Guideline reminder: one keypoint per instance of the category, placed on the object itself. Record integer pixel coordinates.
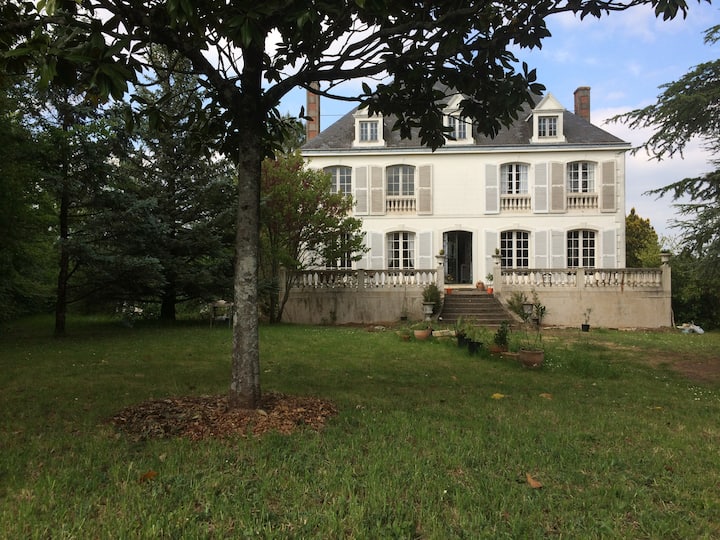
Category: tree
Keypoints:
(26, 215)
(192, 189)
(303, 224)
(409, 49)
(642, 249)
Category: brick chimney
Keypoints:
(582, 102)
(313, 112)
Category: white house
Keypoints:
(541, 206)
(547, 192)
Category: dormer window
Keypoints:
(547, 126)
(368, 129)
(547, 119)
(458, 125)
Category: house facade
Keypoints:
(540, 207)
(547, 192)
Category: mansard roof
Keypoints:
(577, 131)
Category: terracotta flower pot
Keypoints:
(531, 358)
(422, 334)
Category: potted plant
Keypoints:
(531, 353)
(480, 285)
(489, 282)
(501, 339)
(586, 325)
(422, 331)
(476, 337)
(461, 332)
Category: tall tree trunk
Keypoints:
(245, 383)
(63, 264)
(167, 302)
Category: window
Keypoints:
(344, 261)
(581, 249)
(547, 126)
(341, 179)
(581, 177)
(514, 179)
(401, 250)
(515, 249)
(368, 130)
(458, 126)
(401, 181)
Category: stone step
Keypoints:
(479, 307)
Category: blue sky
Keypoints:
(624, 58)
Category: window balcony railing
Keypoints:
(400, 204)
(515, 203)
(582, 201)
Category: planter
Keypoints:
(422, 334)
(490, 290)
(474, 347)
(531, 358)
(448, 290)
(462, 340)
(428, 308)
(585, 327)
(497, 349)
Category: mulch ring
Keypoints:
(205, 417)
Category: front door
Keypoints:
(458, 257)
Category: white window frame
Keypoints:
(401, 250)
(369, 131)
(581, 177)
(514, 179)
(341, 179)
(458, 124)
(581, 248)
(547, 126)
(515, 249)
(400, 181)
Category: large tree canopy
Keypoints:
(248, 55)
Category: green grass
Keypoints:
(625, 447)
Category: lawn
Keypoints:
(429, 442)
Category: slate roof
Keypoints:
(577, 130)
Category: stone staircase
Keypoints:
(473, 306)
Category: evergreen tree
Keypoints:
(642, 249)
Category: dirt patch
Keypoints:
(211, 417)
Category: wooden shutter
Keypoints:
(491, 243)
(492, 190)
(540, 189)
(377, 191)
(540, 240)
(361, 191)
(609, 249)
(557, 249)
(424, 190)
(557, 187)
(607, 188)
(377, 251)
(425, 255)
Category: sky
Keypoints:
(624, 58)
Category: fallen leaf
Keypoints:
(150, 475)
(546, 395)
(532, 482)
(498, 395)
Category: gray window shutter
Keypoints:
(609, 249)
(557, 249)
(607, 193)
(492, 190)
(377, 251)
(361, 191)
(541, 250)
(426, 260)
(424, 190)
(540, 191)
(377, 191)
(557, 187)
(491, 243)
